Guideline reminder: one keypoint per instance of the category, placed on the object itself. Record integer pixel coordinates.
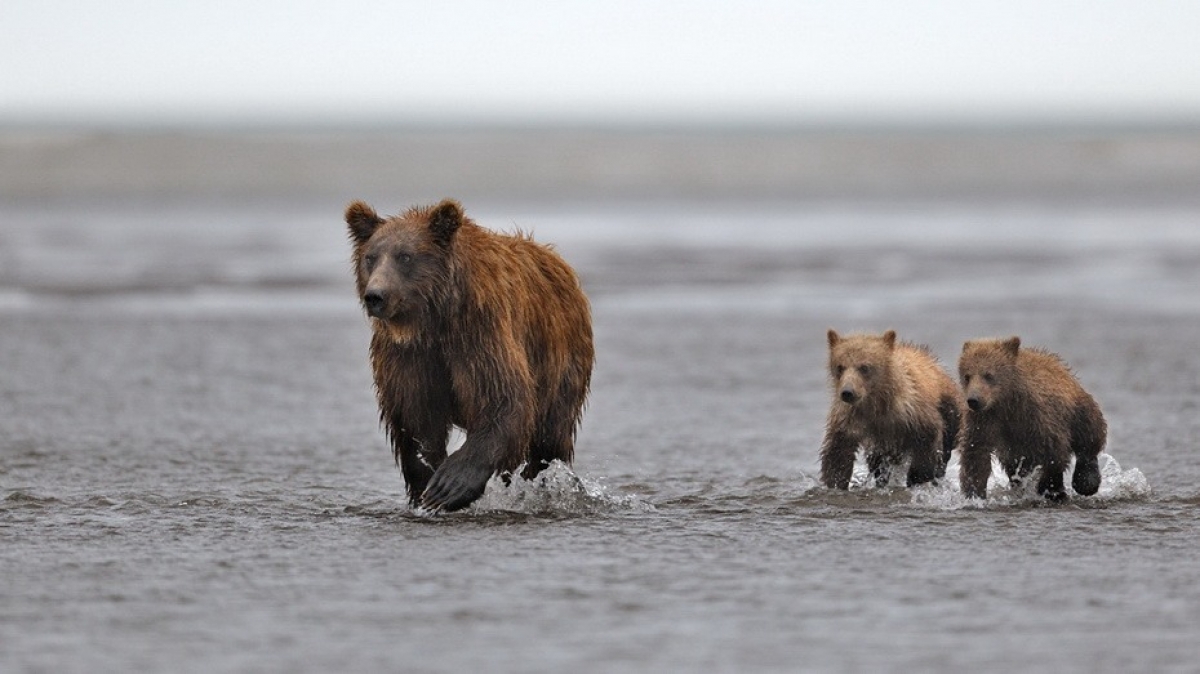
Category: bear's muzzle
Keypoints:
(374, 302)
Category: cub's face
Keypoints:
(858, 364)
(402, 263)
(984, 369)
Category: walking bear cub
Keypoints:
(1026, 407)
(488, 332)
(893, 399)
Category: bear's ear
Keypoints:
(1012, 345)
(362, 220)
(834, 338)
(444, 221)
(889, 338)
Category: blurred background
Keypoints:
(404, 101)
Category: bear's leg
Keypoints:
(415, 406)
(418, 461)
(1086, 478)
(1050, 484)
(951, 424)
(1088, 435)
(1017, 468)
(925, 448)
(418, 455)
(879, 464)
(419, 447)
(497, 447)
(837, 459)
(974, 469)
(554, 439)
(542, 452)
(464, 475)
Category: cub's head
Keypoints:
(986, 368)
(860, 365)
(402, 263)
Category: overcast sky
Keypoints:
(607, 61)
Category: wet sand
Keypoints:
(573, 164)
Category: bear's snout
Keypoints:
(974, 403)
(374, 302)
(849, 396)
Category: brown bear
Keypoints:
(1026, 407)
(895, 400)
(488, 332)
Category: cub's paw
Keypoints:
(922, 475)
(455, 485)
(1055, 495)
(1086, 478)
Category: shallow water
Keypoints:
(192, 477)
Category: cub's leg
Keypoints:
(837, 459)
(1088, 435)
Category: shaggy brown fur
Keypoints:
(1026, 407)
(488, 332)
(895, 400)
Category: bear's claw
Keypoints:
(455, 486)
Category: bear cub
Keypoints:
(893, 399)
(488, 332)
(1026, 407)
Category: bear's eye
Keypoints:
(371, 259)
(840, 370)
(966, 379)
(989, 377)
(404, 258)
(865, 370)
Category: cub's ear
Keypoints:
(889, 338)
(834, 338)
(362, 220)
(444, 221)
(1012, 345)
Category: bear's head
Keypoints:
(986, 368)
(403, 264)
(860, 366)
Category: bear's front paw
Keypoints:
(455, 485)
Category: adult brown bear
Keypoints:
(488, 332)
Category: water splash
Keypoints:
(1116, 484)
(861, 478)
(557, 490)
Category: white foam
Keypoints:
(1116, 484)
(556, 490)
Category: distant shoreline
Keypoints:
(602, 162)
(1098, 125)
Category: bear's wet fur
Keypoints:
(470, 328)
(1027, 408)
(894, 400)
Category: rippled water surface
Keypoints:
(192, 477)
